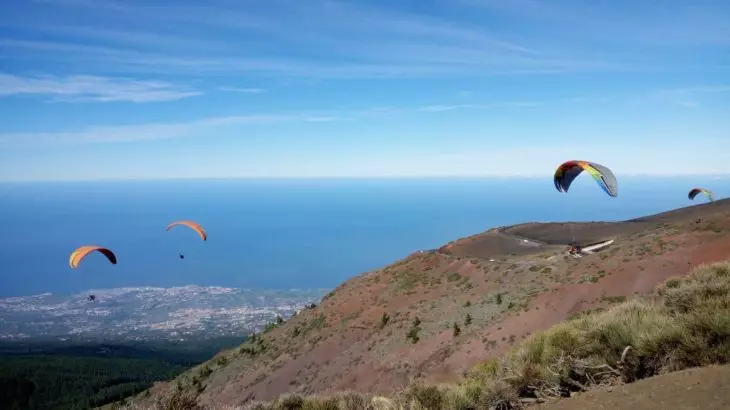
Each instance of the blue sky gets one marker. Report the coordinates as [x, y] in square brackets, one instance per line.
[95, 89]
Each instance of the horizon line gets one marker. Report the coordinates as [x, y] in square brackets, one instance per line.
[345, 177]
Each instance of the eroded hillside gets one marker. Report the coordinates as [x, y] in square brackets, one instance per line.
[434, 314]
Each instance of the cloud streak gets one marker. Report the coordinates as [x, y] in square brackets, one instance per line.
[92, 88]
[331, 39]
[242, 90]
[205, 126]
[691, 97]
[143, 132]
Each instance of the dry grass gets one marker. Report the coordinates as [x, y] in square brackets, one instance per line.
[688, 325]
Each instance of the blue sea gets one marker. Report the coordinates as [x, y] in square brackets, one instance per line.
[280, 234]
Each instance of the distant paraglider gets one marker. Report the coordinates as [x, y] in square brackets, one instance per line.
[569, 170]
[695, 191]
[80, 253]
[92, 298]
[192, 225]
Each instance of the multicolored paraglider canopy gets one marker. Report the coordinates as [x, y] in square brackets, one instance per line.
[694, 191]
[192, 225]
[81, 252]
[569, 170]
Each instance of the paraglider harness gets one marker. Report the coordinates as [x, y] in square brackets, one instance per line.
[575, 249]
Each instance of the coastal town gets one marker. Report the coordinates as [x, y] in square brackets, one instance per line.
[149, 313]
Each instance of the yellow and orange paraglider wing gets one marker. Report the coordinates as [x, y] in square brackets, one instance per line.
[192, 225]
[81, 252]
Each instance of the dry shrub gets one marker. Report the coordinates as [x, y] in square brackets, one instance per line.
[689, 326]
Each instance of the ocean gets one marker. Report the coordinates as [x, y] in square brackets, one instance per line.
[280, 234]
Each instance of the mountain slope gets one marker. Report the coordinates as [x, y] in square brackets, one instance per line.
[498, 287]
[706, 388]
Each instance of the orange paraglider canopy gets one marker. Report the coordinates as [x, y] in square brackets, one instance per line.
[81, 252]
[190, 224]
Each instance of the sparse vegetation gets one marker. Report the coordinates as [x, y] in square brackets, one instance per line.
[467, 320]
[204, 372]
[688, 326]
[412, 334]
[318, 323]
[614, 299]
[408, 279]
[588, 278]
[672, 283]
[384, 320]
[453, 277]
[456, 329]
[222, 360]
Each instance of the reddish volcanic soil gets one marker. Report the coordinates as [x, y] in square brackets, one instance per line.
[510, 281]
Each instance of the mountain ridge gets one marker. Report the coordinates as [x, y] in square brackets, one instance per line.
[382, 329]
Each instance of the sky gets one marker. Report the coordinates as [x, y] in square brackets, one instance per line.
[102, 89]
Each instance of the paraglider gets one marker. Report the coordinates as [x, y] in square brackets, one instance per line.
[192, 225]
[92, 298]
[569, 170]
[81, 252]
[695, 191]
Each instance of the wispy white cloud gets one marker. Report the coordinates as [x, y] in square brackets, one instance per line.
[690, 97]
[127, 133]
[331, 39]
[323, 119]
[205, 126]
[357, 60]
[436, 108]
[92, 88]
[138, 39]
[242, 90]
[703, 89]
